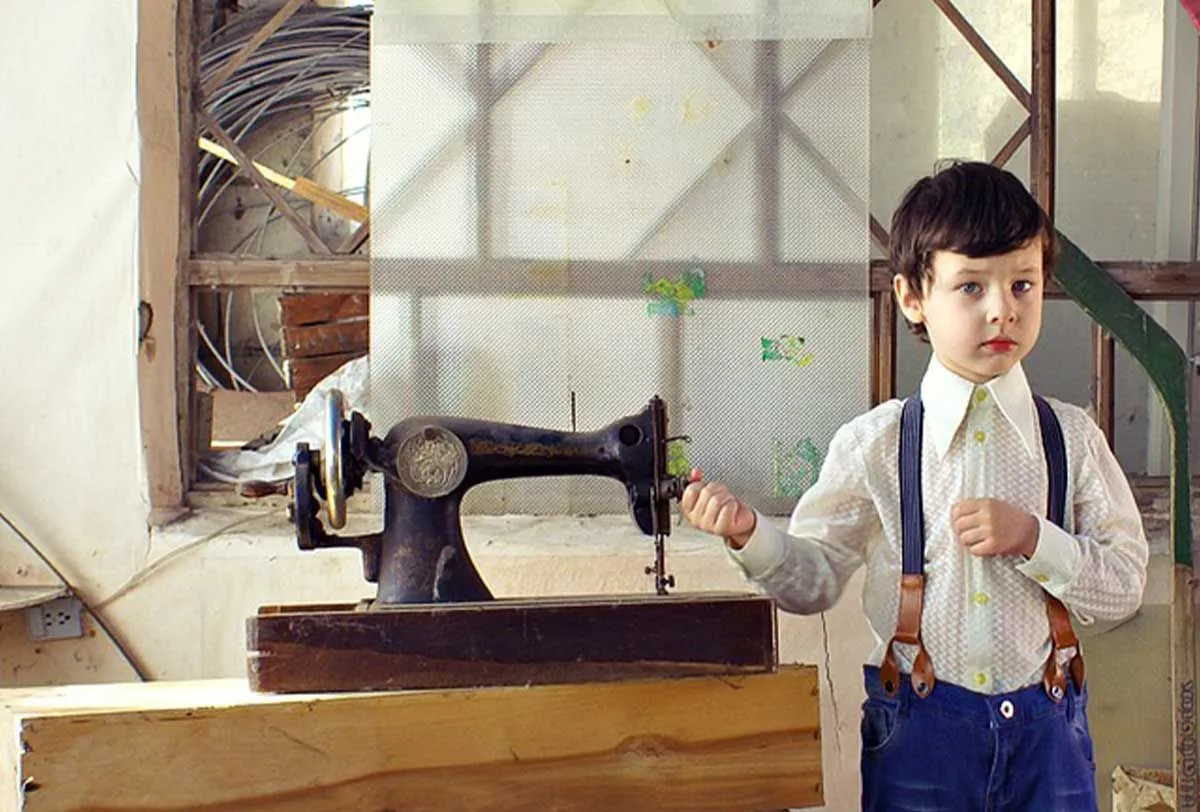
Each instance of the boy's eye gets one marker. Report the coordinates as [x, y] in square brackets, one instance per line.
[1022, 286]
[970, 288]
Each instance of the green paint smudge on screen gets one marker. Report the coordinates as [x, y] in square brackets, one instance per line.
[786, 348]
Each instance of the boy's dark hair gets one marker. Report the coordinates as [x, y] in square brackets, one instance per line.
[970, 208]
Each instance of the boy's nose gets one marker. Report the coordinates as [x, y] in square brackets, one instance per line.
[1002, 309]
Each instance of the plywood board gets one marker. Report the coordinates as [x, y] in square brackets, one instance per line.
[297, 309]
[696, 744]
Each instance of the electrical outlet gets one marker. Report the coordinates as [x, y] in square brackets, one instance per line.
[58, 619]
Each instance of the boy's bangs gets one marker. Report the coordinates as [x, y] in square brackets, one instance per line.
[981, 219]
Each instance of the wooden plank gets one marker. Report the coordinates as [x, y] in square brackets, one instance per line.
[702, 744]
[325, 339]
[202, 422]
[883, 347]
[305, 373]
[1104, 379]
[313, 308]
[164, 70]
[247, 167]
[356, 240]
[1014, 142]
[314, 192]
[1164, 281]
[303, 187]
[509, 642]
[1043, 109]
[879, 233]
[218, 271]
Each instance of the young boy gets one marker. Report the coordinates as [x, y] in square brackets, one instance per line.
[975, 692]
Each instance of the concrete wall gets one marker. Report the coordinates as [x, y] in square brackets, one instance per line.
[69, 427]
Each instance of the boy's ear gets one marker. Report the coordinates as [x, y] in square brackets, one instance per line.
[908, 299]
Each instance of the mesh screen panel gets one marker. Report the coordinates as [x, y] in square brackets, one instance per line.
[563, 228]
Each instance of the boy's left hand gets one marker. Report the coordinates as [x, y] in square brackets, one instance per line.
[988, 527]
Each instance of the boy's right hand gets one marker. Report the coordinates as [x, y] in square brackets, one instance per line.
[711, 507]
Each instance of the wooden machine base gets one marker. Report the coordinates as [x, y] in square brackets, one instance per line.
[698, 744]
[536, 641]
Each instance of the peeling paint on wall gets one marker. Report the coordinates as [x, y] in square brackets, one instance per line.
[674, 297]
[786, 348]
[795, 466]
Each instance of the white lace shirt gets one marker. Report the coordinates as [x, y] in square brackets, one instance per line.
[984, 620]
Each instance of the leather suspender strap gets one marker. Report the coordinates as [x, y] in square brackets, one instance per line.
[912, 581]
[1062, 634]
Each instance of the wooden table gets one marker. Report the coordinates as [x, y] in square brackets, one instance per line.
[694, 743]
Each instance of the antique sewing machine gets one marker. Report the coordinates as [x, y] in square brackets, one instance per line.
[429, 463]
[433, 621]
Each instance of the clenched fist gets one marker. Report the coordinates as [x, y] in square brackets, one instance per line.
[988, 527]
[711, 507]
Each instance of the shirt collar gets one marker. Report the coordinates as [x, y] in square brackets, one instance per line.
[946, 397]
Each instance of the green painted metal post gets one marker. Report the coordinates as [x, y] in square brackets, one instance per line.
[1169, 370]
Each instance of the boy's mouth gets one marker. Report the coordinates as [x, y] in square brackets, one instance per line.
[1000, 344]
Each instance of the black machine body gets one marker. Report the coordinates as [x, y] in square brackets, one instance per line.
[428, 464]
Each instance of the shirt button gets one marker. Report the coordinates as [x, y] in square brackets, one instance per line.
[981, 679]
[980, 436]
[1041, 579]
[1007, 709]
[980, 598]
[980, 395]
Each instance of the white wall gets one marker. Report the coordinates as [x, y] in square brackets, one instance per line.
[70, 476]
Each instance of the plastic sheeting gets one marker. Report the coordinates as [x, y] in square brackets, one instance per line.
[565, 226]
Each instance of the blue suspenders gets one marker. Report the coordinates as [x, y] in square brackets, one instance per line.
[912, 579]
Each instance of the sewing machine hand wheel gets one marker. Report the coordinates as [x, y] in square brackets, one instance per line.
[332, 458]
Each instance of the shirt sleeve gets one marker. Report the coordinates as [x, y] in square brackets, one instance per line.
[1100, 570]
[806, 568]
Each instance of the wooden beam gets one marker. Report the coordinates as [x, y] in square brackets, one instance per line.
[305, 341]
[350, 273]
[985, 52]
[883, 347]
[1042, 110]
[1166, 281]
[701, 744]
[1103, 378]
[1013, 143]
[238, 59]
[164, 79]
[296, 309]
[879, 233]
[301, 186]
[248, 168]
[513, 641]
[355, 241]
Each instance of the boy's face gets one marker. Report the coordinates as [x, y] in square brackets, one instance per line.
[983, 314]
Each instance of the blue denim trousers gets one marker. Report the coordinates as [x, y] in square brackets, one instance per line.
[961, 751]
